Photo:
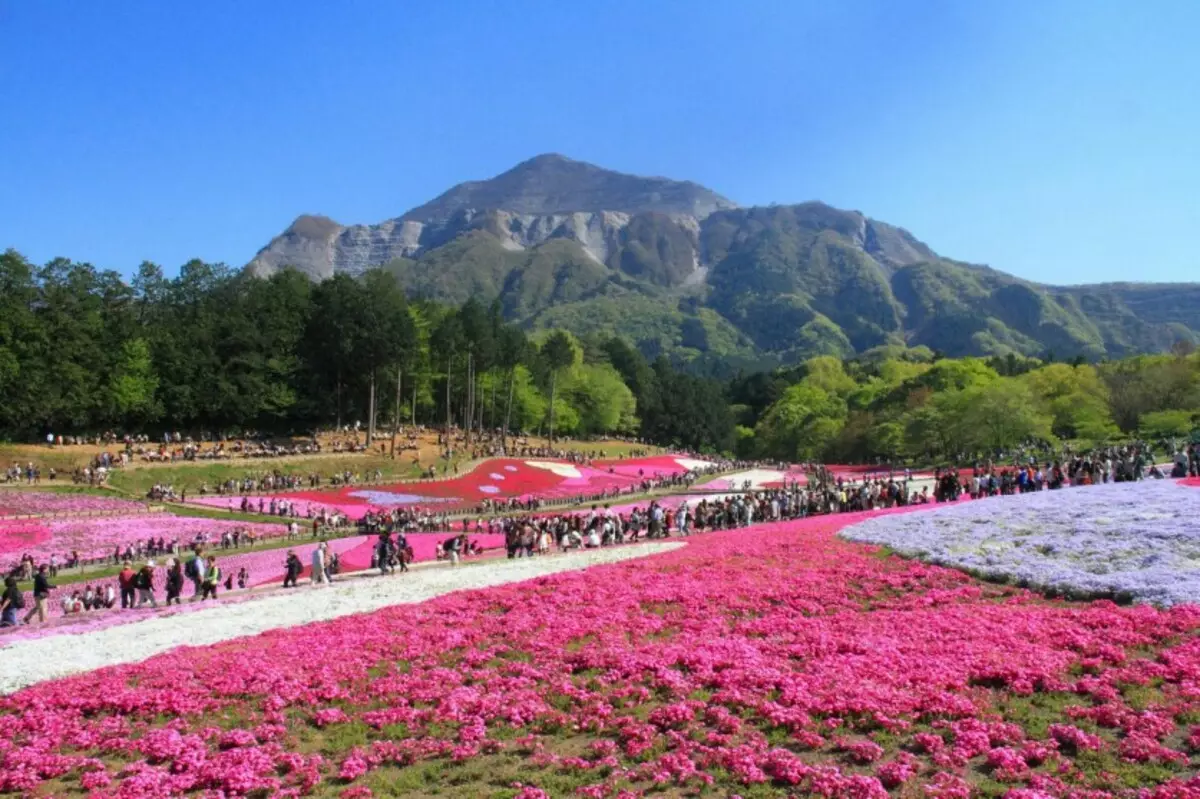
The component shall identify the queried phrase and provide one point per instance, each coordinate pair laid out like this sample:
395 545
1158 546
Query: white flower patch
31 661
566 470
1129 541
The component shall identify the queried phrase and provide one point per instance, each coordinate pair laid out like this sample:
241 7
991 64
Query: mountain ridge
566 243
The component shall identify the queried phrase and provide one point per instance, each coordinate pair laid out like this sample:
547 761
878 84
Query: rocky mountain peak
554 184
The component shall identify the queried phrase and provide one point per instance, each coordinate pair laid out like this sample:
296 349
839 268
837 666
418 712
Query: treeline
908 405
214 349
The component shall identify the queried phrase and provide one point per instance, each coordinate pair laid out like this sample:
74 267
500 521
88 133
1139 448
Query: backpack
191 569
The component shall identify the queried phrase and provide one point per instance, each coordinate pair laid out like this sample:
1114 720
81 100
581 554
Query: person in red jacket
125 581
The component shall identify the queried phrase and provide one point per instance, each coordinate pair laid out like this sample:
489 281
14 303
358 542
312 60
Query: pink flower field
95 537
770 661
263 567
44 503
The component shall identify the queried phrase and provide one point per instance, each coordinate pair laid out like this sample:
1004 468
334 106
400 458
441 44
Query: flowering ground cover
496 478
94 537
44 503
263 568
753 663
1138 541
779 478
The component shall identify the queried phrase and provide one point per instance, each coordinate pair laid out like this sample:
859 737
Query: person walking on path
10 602
145 585
212 579
318 565
175 582
41 592
125 580
292 568
196 568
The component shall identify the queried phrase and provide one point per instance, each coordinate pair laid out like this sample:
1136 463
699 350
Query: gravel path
27 662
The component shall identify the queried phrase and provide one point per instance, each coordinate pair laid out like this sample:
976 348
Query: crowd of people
529 531
1121 464
30 474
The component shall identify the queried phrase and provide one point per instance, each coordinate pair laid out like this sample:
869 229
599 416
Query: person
145 585
212 579
10 602
243 577
175 582
72 604
41 592
450 547
385 554
292 568
404 552
110 597
125 581
318 565
195 570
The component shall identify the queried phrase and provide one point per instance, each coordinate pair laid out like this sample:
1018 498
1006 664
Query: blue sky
1055 140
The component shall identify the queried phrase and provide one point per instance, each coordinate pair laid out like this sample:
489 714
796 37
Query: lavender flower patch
1128 541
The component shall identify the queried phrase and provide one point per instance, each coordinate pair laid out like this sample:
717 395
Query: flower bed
42 503
755 664
1137 541
98 537
779 478
496 478
263 568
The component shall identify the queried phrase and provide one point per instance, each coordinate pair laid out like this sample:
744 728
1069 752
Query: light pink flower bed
97 537
44 503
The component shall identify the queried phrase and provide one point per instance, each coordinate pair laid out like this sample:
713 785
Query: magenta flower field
764 662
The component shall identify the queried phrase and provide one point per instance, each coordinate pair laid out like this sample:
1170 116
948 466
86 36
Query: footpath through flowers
775 659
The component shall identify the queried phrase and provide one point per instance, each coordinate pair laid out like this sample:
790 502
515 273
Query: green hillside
786 283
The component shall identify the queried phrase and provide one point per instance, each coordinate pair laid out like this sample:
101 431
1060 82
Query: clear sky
1056 140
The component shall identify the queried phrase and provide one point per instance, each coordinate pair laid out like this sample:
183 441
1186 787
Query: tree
1001 415
133 384
559 351
1169 424
1077 399
802 424
603 402
690 412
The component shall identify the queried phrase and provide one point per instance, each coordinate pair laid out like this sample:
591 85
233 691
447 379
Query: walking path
26 662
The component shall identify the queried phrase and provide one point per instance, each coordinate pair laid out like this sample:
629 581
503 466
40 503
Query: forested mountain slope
678 268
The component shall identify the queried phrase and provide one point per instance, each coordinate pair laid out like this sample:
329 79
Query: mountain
678 268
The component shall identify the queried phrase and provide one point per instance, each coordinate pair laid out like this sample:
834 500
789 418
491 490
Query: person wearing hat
292 568
145 585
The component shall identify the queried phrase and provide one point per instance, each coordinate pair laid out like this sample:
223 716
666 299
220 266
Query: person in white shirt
318 565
